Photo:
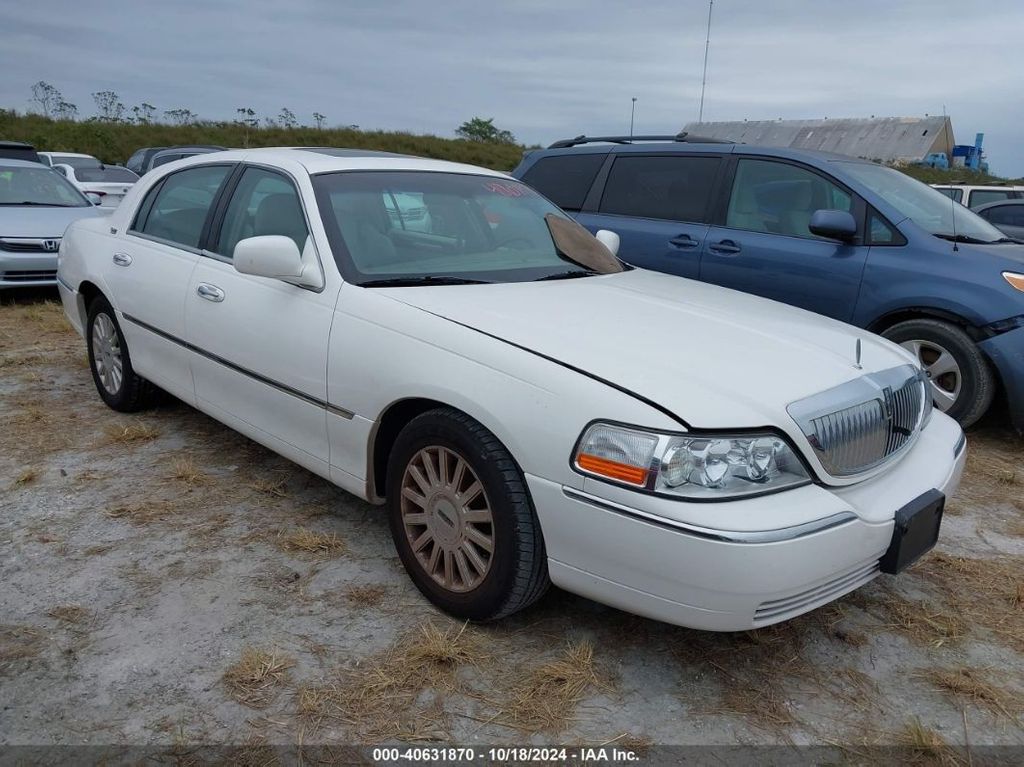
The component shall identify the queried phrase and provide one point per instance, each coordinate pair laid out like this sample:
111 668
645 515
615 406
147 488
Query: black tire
134 392
978 385
518 574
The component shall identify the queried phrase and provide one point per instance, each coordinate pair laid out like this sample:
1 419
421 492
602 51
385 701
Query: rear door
658 205
761 243
151 268
261 344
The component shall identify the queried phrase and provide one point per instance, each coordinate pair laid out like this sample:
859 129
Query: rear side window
263 203
779 198
177 209
671 188
565 179
956 194
982 196
1011 215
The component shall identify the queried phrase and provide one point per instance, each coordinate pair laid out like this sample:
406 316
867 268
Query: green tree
47 97
479 129
287 119
180 116
319 119
144 113
65 110
108 106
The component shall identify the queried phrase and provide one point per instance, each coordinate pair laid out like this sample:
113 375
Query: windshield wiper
566 275
967 239
429 279
40 204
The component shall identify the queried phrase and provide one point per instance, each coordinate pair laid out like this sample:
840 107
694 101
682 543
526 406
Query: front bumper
27 270
646 562
1006 351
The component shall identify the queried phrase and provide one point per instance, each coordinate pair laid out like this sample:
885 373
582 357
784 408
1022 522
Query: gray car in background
36 206
1005 215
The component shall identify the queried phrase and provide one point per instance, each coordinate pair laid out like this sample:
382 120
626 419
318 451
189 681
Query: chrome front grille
30 244
861 424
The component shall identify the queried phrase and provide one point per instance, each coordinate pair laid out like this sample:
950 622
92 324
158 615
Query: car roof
809 156
328 159
11 162
15 145
997 203
67 154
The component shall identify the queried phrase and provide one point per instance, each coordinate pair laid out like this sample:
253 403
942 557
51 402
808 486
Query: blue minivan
851 239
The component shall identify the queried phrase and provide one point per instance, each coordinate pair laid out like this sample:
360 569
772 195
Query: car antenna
952 203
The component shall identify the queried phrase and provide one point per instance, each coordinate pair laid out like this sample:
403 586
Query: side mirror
63 169
94 198
609 239
834 224
270 255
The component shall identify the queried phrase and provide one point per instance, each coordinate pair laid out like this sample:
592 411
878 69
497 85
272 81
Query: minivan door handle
122 259
725 247
210 292
684 241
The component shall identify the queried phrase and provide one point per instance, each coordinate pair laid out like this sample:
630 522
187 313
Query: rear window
671 188
565 179
106 175
78 163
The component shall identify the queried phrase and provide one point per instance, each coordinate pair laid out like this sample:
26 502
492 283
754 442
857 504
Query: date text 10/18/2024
505 754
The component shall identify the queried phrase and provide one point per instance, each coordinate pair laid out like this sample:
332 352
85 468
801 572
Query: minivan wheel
961 380
462 519
111 364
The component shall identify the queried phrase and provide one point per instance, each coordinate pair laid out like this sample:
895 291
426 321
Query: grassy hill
115 142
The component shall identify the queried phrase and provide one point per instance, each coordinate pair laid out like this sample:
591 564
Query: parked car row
445 341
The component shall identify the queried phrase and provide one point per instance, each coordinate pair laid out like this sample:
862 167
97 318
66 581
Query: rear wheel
961 380
462 519
111 364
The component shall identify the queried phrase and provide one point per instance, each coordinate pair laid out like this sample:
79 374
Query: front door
658 206
260 344
763 245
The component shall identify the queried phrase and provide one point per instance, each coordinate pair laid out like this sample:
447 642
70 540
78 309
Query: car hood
713 357
1009 251
28 221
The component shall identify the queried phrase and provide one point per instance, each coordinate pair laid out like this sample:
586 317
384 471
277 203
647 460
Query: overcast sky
543 69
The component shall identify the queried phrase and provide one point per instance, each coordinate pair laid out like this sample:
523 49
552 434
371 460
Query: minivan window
956 194
389 229
672 188
780 198
182 204
982 196
928 208
565 179
263 203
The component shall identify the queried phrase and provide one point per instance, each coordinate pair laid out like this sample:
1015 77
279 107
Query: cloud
542 70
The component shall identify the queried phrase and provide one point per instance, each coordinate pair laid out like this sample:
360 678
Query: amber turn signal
620 472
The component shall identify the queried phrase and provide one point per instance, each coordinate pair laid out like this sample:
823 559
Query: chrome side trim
244 371
961 444
725 536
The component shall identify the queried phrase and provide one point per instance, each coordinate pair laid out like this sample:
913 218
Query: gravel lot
166 581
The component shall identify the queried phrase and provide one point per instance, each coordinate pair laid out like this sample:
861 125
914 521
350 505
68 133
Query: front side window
565 179
263 203
670 188
928 208
881 232
420 226
181 205
779 198
39 186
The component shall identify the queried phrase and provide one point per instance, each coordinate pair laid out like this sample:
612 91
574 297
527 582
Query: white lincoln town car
442 340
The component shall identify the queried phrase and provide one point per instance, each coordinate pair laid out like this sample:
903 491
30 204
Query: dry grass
975 686
143 513
26 477
310 544
546 699
275 487
19 643
184 470
365 596
256 679
922 745
121 434
994 473
382 698
69 613
924 623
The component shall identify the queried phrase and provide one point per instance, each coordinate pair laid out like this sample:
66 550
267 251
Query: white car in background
973 195
107 183
529 409
74 159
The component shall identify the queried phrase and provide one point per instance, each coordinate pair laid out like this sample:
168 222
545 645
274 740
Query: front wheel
462 519
961 380
111 364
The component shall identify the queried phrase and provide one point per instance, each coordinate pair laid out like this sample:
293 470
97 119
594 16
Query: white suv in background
971 195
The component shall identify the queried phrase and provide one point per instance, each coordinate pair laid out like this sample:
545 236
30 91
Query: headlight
695 466
1017 280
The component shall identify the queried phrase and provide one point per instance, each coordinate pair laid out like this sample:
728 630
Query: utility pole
704 77
632 114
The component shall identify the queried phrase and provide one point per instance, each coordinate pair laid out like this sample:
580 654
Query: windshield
929 208
37 186
78 163
107 174
412 227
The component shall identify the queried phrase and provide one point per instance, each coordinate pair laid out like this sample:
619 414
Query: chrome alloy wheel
943 371
106 353
447 518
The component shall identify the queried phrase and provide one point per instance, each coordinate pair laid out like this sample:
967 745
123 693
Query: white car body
973 195
110 193
75 159
313 374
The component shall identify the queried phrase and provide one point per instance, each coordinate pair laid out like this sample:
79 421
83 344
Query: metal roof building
888 139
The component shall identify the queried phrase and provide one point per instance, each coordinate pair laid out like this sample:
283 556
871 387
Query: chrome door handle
122 259
210 292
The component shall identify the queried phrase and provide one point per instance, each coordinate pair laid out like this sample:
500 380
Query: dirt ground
166 581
